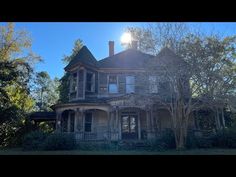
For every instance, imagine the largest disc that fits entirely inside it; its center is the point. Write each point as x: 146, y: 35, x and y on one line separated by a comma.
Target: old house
x: 108, y: 97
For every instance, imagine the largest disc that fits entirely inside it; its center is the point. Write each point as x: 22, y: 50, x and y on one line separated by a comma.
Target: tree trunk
x: 217, y: 120
x: 223, y: 117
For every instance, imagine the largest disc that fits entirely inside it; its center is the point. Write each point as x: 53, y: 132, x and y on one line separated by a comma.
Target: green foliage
x: 224, y: 139
x: 64, y: 89
x: 46, y: 91
x: 78, y: 44
x: 167, y: 139
x: 96, y: 146
x: 34, y: 141
x: 60, y: 141
x: 16, y: 70
x: 46, y: 127
x: 194, y: 142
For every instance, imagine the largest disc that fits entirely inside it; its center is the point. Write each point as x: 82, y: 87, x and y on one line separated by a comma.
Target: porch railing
x: 96, y: 136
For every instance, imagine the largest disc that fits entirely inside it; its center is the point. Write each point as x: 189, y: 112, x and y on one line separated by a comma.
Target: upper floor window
x: 153, y: 84
x: 112, y: 84
x: 73, y: 82
x: 90, y: 82
x: 130, y: 86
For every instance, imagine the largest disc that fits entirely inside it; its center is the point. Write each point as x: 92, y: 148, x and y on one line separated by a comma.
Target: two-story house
x: 107, y: 97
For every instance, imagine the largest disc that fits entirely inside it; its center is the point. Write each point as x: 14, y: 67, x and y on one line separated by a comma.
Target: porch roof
x: 43, y: 116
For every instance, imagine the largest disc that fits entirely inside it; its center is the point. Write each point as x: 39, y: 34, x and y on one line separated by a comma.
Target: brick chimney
x: 134, y: 44
x: 111, y: 48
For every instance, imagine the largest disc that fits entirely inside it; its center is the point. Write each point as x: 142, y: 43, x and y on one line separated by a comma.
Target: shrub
x: 34, y: 141
x: 167, y: 139
x: 60, y: 141
x: 193, y: 141
x: 224, y: 139
x: 96, y: 146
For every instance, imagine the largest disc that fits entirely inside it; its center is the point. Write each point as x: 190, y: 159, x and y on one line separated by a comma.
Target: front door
x: 129, y: 126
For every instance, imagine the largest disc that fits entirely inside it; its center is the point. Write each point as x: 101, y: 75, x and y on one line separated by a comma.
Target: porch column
x: 152, y: 120
x: 82, y: 120
x: 148, y: 120
x: 110, y: 121
x: 117, y: 123
x: 139, y: 126
x: 150, y: 134
x: 76, y: 120
x: 58, y: 122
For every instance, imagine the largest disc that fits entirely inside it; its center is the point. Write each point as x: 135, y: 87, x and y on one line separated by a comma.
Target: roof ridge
x: 119, y: 53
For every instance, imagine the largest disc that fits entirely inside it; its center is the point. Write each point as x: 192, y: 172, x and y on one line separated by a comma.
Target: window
x: 112, y: 86
x: 130, y: 84
x: 90, y: 82
x: 153, y: 84
x: 88, y: 122
x: 74, y: 82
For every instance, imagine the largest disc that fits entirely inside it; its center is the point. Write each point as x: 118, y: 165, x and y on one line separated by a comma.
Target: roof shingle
x: 127, y: 59
x: 83, y: 56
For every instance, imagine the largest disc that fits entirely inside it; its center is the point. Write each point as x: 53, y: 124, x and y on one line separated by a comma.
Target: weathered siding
x: 121, y: 82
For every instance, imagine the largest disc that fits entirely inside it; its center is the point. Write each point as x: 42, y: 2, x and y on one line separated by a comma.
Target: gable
x: 84, y: 56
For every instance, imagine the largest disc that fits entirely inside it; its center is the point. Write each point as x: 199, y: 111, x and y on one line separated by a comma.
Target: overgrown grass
x: 130, y: 152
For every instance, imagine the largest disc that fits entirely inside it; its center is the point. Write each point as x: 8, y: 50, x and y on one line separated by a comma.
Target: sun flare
x: 125, y: 38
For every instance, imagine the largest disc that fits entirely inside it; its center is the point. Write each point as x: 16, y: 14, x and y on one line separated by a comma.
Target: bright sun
x: 125, y: 38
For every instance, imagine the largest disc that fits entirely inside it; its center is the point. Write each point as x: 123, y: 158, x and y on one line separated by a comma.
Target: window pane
x: 89, y: 82
x: 112, y: 79
x: 153, y: 84
x: 113, y: 88
x: 129, y: 88
x: 73, y: 82
x: 129, y: 79
x: 129, y: 84
x: 89, y: 77
x: 88, y: 117
x: 125, y: 124
x: 89, y: 86
x: 87, y: 127
x: 132, y: 125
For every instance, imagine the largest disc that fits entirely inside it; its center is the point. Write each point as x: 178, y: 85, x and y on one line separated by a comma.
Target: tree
x: 46, y: 91
x: 208, y: 70
x: 78, y: 44
x: 64, y: 81
x: 154, y: 37
x: 213, y: 60
x: 42, y: 85
x: 16, y: 69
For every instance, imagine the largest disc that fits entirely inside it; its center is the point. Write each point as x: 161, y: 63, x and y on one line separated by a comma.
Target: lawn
x: 77, y: 152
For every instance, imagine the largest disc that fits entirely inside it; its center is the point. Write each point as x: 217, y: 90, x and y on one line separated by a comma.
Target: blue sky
x: 54, y: 40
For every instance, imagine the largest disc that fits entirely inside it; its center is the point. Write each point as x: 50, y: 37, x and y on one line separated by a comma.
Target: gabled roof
x: 128, y: 59
x: 83, y: 56
x: 169, y: 56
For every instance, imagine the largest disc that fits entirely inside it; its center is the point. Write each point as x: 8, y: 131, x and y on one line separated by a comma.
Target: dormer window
x: 113, y: 84
x: 73, y: 87
x: 90, y: 82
